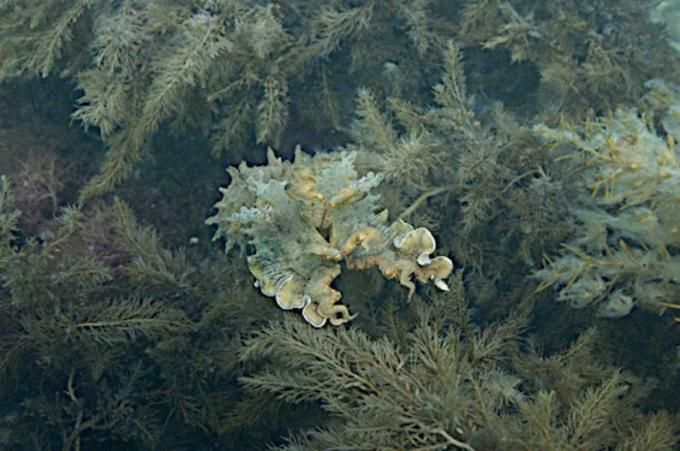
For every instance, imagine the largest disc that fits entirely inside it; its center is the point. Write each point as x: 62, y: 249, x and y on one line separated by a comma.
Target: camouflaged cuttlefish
x: 303, y: 218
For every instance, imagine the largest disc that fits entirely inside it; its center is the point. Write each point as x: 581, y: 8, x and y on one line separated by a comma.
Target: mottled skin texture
x: 304, y: 218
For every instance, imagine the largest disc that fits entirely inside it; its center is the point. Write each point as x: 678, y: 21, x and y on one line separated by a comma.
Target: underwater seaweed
x: 450, y: 387
x: 625, y: 251
x: 110, y: 338
x: 230, y: 69
x: 589, y: 54
x: 99, y: 330
x: 484, y: 181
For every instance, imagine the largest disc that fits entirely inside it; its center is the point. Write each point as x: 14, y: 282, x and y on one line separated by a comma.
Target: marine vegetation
x: 537, y: 141
x: 589, y: 54
x: 99, y: 331
x: 236, y: 71
x: 449, y: 386
x: 230, y: 69
x: 482, y: 180
x: 306, y: 217
x: 626, y: 250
